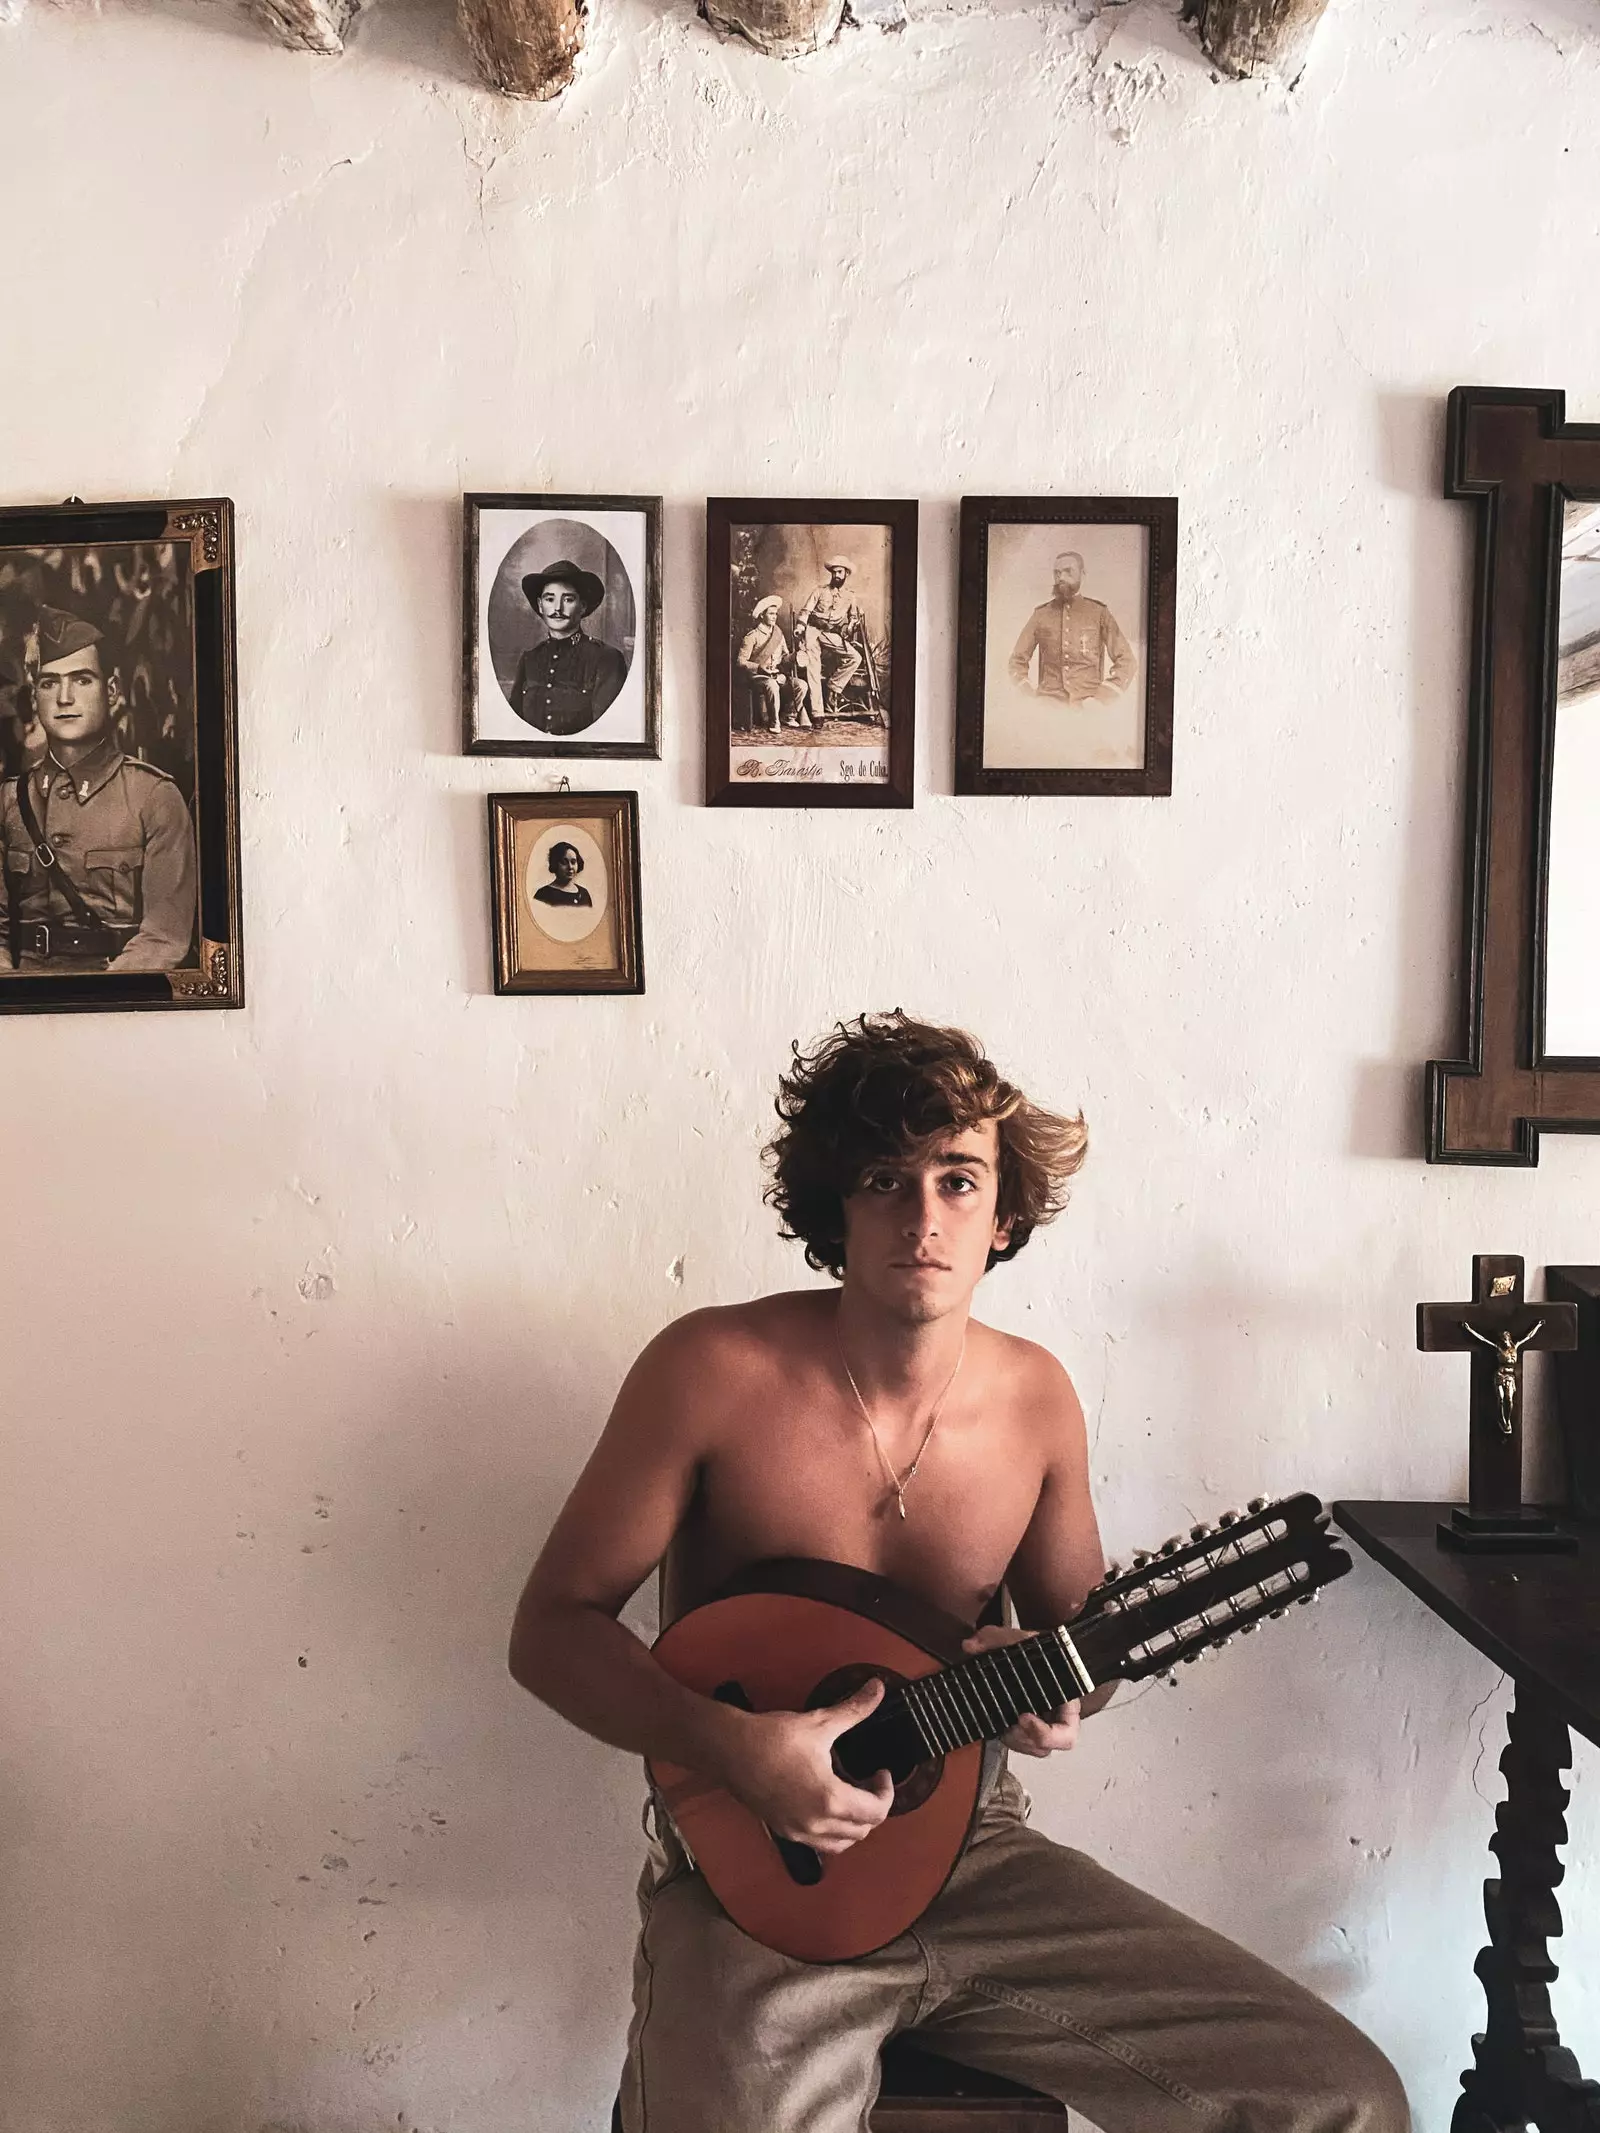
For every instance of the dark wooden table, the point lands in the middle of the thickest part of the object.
(1538, 1618)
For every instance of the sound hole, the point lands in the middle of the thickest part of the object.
(914, 1779)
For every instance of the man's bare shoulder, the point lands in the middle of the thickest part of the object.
(729, 1344)
(1027, 1376)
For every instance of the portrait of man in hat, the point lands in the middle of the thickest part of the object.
(831, 633)
(767, 664)
(98, 846)
(570, 679)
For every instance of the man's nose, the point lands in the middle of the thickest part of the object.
(922, 1210)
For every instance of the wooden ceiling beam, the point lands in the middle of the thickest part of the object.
(310, 25)
(783, 29)
(525, 47)
(1251, 37)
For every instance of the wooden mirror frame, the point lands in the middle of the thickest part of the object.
(1511, 452)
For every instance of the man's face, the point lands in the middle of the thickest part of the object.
(918, 1233)
(837, 576)
(1069, 575)
(74, 696)
(560, 609)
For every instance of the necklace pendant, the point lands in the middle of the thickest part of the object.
(901, 1501)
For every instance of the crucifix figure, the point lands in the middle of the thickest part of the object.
(1498, 1327)
(1507, 1370)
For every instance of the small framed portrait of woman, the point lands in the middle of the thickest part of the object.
(562, 625)
(565, 881)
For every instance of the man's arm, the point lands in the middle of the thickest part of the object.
(1022, 652)
(569, 1649)
(166, 919)
(611, 671)
(1120, 653)
(1059, 1558)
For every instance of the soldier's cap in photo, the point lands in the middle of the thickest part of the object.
(583, 582)
(769, 606)
(839, 562)
(61, 634)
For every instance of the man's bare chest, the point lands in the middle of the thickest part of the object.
(817, 1487)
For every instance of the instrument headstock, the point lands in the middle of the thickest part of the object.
(1193, 1594)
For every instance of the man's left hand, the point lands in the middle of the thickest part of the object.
(1030, 1735)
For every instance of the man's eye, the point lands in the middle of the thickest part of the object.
(959, 1181)
(880, 1182)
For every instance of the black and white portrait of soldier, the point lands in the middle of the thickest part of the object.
(1082, 655)
(563, 626)
(569, 679)
(565, 862)
(1064, 676)
(98, 845)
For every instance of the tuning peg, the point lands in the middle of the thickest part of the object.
(1247, 1629)
(1257, 1503)
(1229, 1518)
(1113, 1572)
(1276, 1614)
(1189, 1658)
(1141, 1556)
(1171, 1680)
(1199, 1533)
(1305, 1599)
(1222, 1642)
(1171, 1545)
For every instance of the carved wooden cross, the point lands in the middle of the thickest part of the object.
(1498, 1327)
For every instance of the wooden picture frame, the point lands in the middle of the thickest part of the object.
(808, 601)
(579, 930)
(119, 806)
(604, 699)
(1031, 717)
(1511, 453)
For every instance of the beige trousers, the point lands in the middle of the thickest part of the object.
(1033, 1962)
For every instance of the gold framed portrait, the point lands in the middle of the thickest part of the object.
(564, 876)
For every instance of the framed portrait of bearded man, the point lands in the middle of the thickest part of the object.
(119, 806)
(1066, 634)
(811, 626)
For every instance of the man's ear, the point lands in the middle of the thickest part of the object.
(1002, 1234)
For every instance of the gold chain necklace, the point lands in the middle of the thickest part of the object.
(898, 1484)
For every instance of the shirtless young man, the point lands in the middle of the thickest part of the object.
(878, 1424)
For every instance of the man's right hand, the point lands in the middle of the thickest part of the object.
(782, 1770)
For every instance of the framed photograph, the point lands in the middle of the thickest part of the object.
(565, 880)
(811, 638)
(562, 625)
(119, 797)
(1065, 654)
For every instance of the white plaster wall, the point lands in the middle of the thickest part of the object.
(314, 1310)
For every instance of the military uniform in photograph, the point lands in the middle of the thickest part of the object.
(105, 873)
(1082, 652)
(566, 683)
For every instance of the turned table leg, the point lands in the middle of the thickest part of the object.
(1522, 2074)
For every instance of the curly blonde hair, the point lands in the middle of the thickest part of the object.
(887, 1087)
